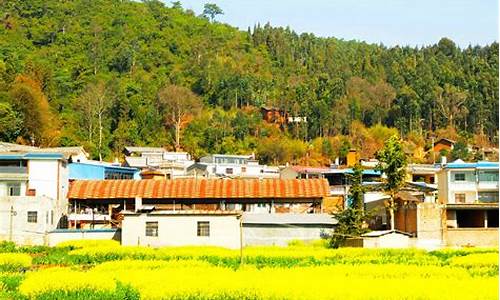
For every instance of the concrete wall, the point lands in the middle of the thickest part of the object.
(392, 240)
(479, 237)
(181, 230)
(14, 225)
(429, 225)
(62, 235)
(280, 235)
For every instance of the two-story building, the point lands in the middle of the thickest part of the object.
(231, 166)
(469, 192)
(33, 188)
(171, 164)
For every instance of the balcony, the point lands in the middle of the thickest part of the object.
(13, 173)
(13, 170)
(338, 190)
(487, 185)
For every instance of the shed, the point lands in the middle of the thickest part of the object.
(443, 144)
(386, 239)
(280, 229)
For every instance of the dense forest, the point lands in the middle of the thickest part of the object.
(110, 73)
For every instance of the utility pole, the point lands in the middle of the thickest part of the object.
(12, 213)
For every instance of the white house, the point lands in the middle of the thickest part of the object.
(33, 189)
(182, 228)
(171, 164)
(469, 193)
(241, 166)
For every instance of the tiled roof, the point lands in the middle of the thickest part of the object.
(199, 188)
(304, 169)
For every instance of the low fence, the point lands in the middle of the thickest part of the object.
(62, 235)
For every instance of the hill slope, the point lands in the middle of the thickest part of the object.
(54, 53)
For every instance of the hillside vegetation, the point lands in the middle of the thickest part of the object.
(107, 73)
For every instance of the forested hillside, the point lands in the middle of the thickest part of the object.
(109, 73)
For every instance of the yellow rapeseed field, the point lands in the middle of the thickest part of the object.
(197, 279)
(15, 260)
(91, 269)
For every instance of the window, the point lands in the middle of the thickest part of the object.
(459, 176)
(14, 189)
(243, 169)
(203, 228)
(488, 197)
(151, 228)
(229, 170)
(459, 198)
(32, 217)
(488, 176)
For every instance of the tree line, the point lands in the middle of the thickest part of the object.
(109, 73)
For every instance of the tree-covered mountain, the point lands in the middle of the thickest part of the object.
(92, 72)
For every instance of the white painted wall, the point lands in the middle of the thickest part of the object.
(50, 179)
(43, 177)
(181, 230)
(392, 240)
(59, 236)
(14, 226)
(255, 235)
(4, 187)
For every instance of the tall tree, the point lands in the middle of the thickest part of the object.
(356, 190)
(10, 123)
(211, 10)
(94, 104)
(392, 164)
(40, 125)
(451, 103)
(178, 103)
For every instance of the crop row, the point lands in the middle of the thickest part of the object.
(200, 280)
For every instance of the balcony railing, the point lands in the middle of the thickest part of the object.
(14, 170)
(338, 190)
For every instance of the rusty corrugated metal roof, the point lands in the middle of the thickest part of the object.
(199, 188)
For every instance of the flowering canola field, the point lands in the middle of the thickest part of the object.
(86, 270)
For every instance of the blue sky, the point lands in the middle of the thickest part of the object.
(391, 22)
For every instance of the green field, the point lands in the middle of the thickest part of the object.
(105, 270)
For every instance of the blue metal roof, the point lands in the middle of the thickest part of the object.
(473, 165)
(31, 156)
(350, 171)
(41, 155)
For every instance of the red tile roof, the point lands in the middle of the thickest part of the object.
(199, 188)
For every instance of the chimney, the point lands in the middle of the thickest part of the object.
(443, 160)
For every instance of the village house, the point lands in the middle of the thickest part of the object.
(443, 145)
(469, 193)
(288, 205)
(33, 188)
(423, 173)
(181, 228)
(231, 166)
(338, 181)
(171, 164)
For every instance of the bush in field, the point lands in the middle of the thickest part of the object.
(78, 244)
(64, 279)
(7, 247)
(14, 261)
(122, 291)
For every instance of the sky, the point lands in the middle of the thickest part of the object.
(391, 22)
